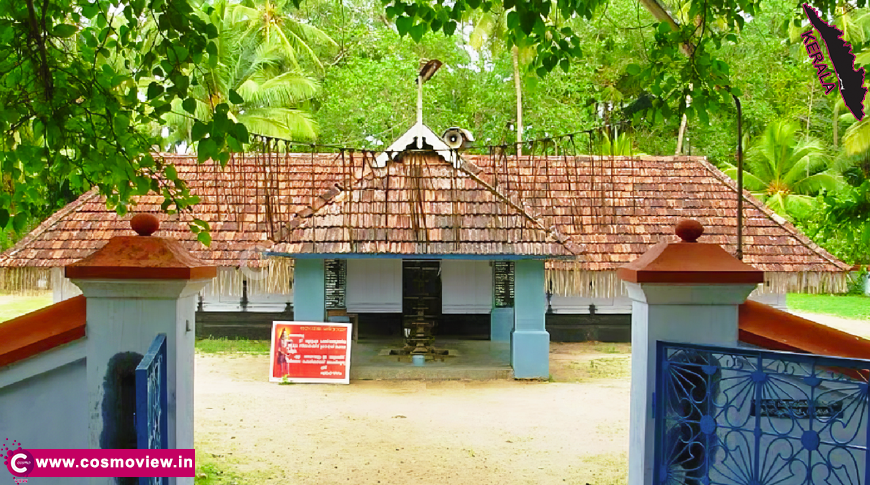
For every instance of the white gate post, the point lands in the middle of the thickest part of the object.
(685, 292)
(136, 288)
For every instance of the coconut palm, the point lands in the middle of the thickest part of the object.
(785, 170)
(272, 21)
(260, 66)
(490, 29)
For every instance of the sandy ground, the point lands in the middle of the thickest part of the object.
(860, 328)
(403, 432)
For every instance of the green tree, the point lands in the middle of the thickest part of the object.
(257, 75)
(275, 22)
(684, 60)
(785, 170)
(72, 111)
(489, 31)
(840, 223)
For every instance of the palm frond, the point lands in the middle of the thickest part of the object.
(799, 206)
(751, 182)
(285, 123)
(827, 180)
(857, 137)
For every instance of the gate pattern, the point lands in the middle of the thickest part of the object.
(739, 416)
(152, 428)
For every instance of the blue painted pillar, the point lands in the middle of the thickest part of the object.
(530, 342)
(501, 324)
(309, 290)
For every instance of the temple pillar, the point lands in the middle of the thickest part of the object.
(309, 290)
(530, 342)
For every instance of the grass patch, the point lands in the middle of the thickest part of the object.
(616, 367)
(217, 469)
(11, 307)
(856, 307)
(227, 346)
(213, 472)
(613, 348)
(227, 469)
(607, 368)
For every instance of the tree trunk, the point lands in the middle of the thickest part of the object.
(680, 135)
(662, 15)
(810, 107)
(683, 124)
(518, 85)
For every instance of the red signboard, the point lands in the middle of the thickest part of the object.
(310, 352)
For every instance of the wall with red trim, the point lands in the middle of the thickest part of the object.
(773, 329)
(42, 330)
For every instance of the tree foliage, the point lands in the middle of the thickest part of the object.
(840, 222)
(74, 113)
(683, 59)
(784, 169)
(257, 74)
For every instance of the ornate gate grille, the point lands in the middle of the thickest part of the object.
(152, 428)
(736, 416)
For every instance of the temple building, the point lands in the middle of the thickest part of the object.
(498, 246)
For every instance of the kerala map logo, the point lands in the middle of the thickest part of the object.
(19, 462)
(842, 62)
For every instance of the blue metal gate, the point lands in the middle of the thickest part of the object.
(152, 427)
(737, 416)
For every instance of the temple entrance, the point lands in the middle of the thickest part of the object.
(427, 319)
(421, 306)
(421, 292)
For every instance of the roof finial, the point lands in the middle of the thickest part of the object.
(144, 224)
(689, 230)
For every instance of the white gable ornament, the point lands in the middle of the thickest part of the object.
(419, 137)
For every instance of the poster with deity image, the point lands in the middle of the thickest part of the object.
(310, 352)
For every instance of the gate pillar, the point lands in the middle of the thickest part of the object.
(682, 291)
(136, 288)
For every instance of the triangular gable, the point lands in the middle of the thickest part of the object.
(419, 137)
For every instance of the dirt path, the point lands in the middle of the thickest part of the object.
(405, 432)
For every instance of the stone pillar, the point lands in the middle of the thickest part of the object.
(309, 290)
(685, 292)
(530, 342)
(136, 288)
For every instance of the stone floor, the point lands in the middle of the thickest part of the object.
(467, 359)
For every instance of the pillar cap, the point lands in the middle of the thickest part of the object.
(688, 262)
(142, 257)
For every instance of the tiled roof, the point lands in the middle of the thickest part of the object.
(421, 205)
(232, 202)
(613, 209)
(617, 207)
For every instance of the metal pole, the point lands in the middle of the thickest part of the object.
(739, 179)
(419, 101)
